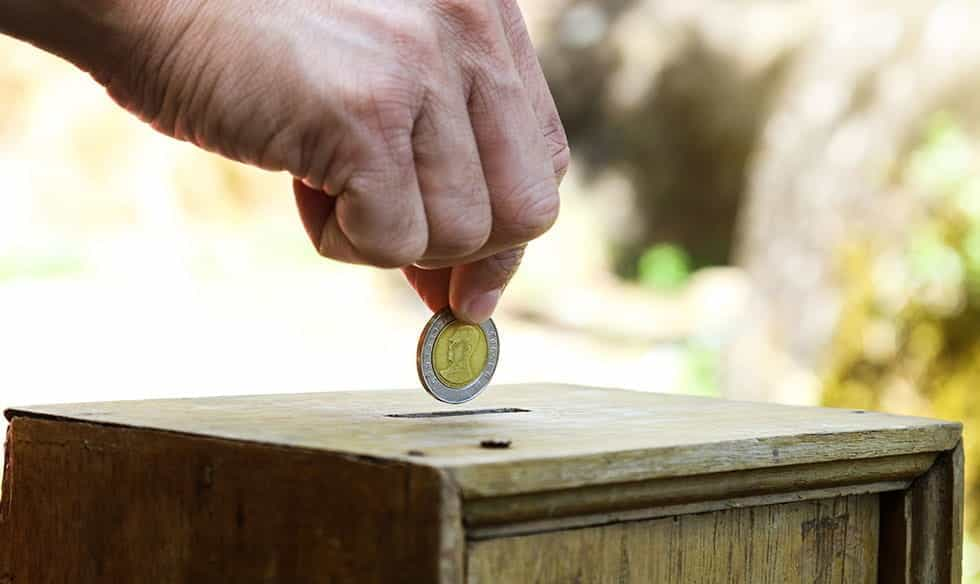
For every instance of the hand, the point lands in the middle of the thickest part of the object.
(421, 133)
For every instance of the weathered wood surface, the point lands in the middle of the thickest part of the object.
(483, 532)
(832, 541)
(922, 527)
(886, 473)
(317, 487)
(90, 504)
(605, 504)
(571, 437)
(6, 548)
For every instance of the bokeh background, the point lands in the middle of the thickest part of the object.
(770, 200)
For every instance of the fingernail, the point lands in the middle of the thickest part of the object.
(481, 308)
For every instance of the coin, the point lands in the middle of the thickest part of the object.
(456, 359)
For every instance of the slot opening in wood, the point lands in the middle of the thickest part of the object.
(452, 413)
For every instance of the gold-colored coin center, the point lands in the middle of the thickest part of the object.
(459, 354)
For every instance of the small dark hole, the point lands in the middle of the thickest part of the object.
(415, 453)
(860, 412)
(501, 444)
(453, 413)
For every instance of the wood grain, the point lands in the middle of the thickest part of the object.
(572, 437)
(611, 517)
(6, 555)
(891, 472)
(832, 541)
(922, 527)
(92, 504)
(599, 485)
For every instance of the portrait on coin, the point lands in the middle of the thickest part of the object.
(460, 354)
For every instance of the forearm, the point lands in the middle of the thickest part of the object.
(90, 33)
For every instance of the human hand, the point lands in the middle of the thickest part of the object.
(422, 133)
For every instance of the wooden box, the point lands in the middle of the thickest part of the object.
(531, 483)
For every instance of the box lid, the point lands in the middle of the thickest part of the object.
(556, 436)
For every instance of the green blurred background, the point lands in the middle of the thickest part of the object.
(770, 200)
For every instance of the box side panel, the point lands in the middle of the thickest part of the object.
(88, 503)
(5, 558)
(922, 527)
(829, 541)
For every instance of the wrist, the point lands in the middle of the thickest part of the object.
(95, 35)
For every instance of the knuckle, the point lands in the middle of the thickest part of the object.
(535, 209)
(469, 16)
(415, 36)
(392, 252)
(382, 114)
(389, 90)
(493, 85)
(474, 26)
(386, 239)
(459, 238)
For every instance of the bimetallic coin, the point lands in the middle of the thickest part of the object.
(456, 359)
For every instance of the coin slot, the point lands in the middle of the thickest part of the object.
(455, 413)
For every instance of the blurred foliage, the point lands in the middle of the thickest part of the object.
(702, 375)
(667, 268)
(908, 340)
(664, 267)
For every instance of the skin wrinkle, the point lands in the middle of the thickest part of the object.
(140, 82)
(428, 119)
(469, 241)
(503, 265)
(457, 205)
(186, 130)
(502, 202)
(311, 141)
(200, 134)
(534, 81)
(471, 22)
(169, 62)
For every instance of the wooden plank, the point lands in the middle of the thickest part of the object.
(572, 436)
(922, 528)
(892, 471)
(132, 505)
(832, 541)
(611, 517)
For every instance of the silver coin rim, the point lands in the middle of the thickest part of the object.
(427, 375)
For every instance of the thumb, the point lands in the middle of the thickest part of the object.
(475, 289)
